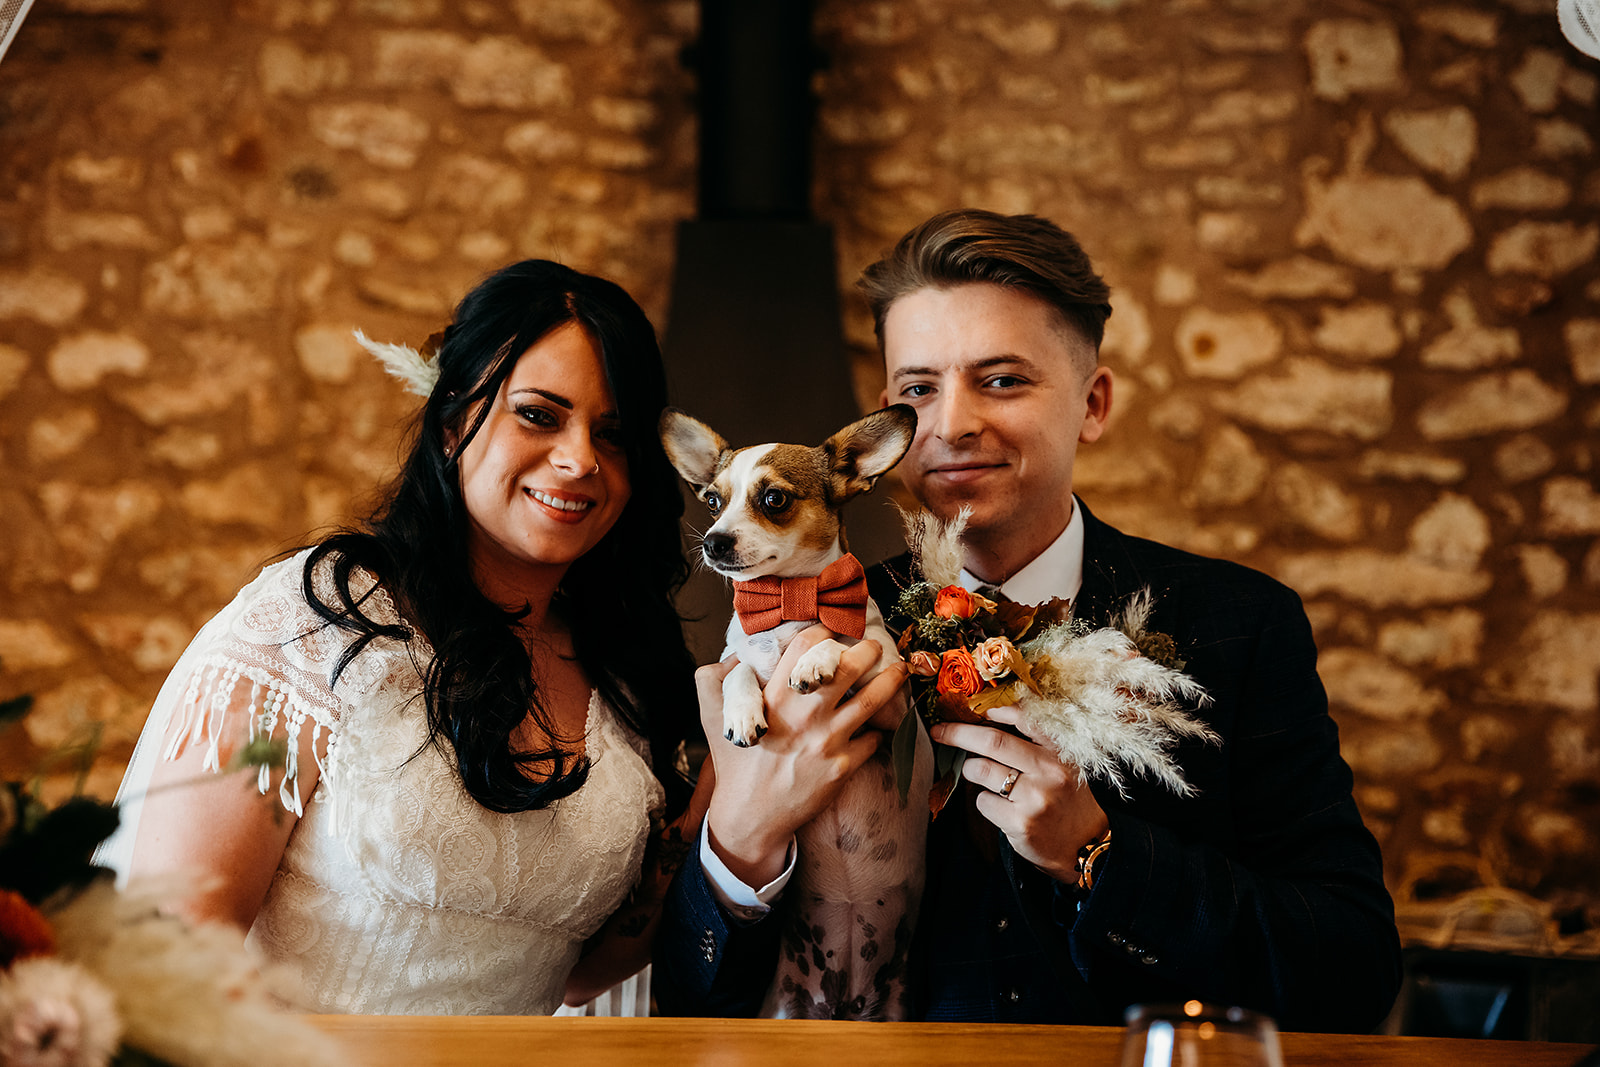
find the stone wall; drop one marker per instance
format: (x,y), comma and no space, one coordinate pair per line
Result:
(201,201)
(1357,324)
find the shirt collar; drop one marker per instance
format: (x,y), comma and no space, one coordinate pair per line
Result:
(1055,572)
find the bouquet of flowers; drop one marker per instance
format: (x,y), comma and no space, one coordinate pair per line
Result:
(91,976)
(1109,699)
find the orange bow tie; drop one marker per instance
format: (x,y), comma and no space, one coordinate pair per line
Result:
(837,598)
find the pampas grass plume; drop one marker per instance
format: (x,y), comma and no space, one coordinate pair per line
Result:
(1105,707)
(415,371)
(190,995)
(936,545)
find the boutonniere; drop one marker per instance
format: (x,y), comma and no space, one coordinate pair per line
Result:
(1112,700)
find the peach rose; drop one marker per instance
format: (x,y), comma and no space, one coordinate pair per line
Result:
(958,674)
(925,664)
(954,602)
(993,658)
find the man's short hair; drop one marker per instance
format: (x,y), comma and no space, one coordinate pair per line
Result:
(1015,251)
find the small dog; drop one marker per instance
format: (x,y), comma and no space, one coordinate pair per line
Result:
(858,883)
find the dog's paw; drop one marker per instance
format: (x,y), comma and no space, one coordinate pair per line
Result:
(803,684)
(817,667)
(744,727)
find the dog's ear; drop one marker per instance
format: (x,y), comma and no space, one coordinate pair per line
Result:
(694,448)
(864,451)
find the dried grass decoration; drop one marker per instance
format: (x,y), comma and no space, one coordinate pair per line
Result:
(1111,700)
(94,976)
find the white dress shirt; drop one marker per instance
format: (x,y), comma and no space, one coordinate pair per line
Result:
(1055,572)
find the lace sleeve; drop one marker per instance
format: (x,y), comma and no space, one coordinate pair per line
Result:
(263,666)
(270,664)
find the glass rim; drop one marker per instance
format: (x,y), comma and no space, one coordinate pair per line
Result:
(1196,1012)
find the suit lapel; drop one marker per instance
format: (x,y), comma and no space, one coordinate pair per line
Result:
(1110,572)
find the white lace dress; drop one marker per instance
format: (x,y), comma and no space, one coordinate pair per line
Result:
(398,893)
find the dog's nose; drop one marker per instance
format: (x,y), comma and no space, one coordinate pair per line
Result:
(718,546)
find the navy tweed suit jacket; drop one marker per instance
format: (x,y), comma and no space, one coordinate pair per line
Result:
(1264,890)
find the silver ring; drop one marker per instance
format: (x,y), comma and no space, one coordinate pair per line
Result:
(1011,780)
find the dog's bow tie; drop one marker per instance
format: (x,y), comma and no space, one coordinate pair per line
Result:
(837,598)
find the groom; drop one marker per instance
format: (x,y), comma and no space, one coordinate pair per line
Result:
(1048,900)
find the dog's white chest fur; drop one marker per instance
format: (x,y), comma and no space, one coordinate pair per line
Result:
(744,717)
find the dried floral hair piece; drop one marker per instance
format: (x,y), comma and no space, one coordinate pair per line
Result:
(417,371)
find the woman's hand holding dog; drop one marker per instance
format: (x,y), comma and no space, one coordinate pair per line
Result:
(1046,812)
(814,742)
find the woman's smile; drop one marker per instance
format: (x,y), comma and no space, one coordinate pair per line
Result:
(567,509)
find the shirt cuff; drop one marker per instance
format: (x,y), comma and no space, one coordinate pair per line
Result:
(736,898)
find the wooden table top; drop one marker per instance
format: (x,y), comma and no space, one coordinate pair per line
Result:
(489,1041)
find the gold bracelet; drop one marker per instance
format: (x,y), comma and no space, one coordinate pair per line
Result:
(1088,856)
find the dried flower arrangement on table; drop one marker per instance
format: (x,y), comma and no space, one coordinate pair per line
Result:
(92,976)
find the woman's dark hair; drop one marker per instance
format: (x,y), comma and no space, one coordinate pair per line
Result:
(617,598)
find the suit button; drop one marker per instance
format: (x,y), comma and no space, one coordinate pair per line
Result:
(1114,937)
(1001,924)
(1148,960)
(1013,996)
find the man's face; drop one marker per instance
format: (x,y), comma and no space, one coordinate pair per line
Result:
(1003,393)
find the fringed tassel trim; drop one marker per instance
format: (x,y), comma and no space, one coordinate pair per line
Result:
(214,696)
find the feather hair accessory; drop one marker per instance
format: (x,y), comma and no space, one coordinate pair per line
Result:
(416,372)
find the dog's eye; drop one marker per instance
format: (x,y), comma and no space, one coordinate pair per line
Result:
(774,500)
(713,501)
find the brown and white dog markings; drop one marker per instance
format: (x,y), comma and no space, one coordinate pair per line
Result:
(858,879)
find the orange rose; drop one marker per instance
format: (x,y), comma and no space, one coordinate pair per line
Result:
(994,658)
(954,602)
(958,674)
(24,931)
(923,663)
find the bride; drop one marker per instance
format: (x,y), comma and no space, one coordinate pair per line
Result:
(483,689)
